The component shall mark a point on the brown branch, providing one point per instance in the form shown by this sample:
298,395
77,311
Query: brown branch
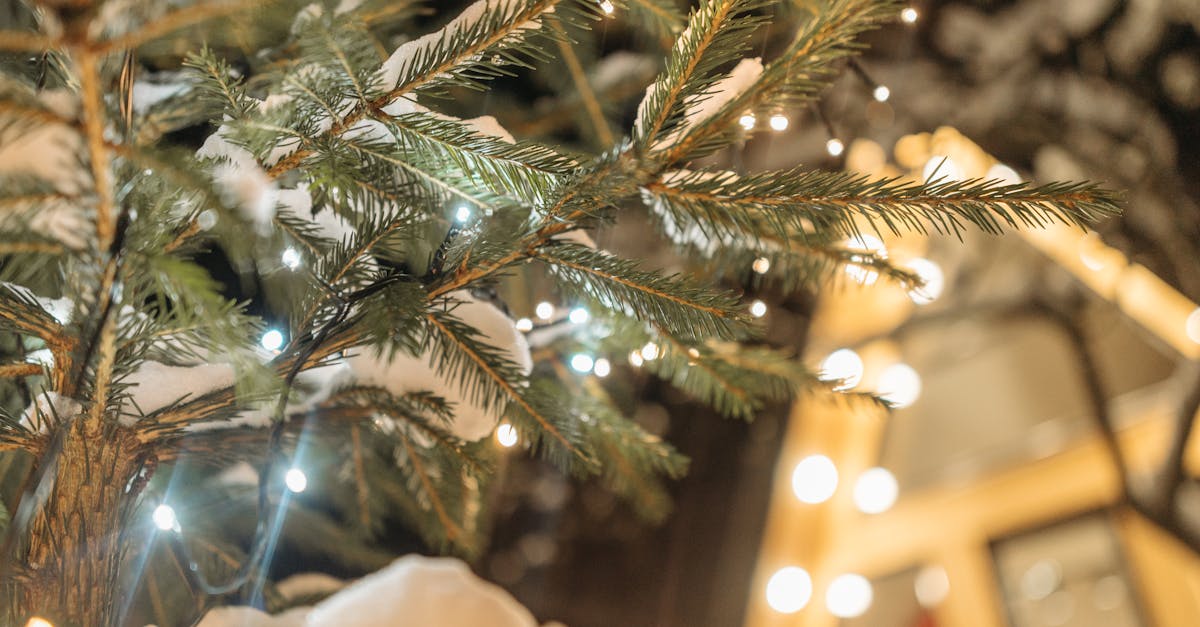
590,104
94,122
20,370
25,41
169,23
1173,468
452,529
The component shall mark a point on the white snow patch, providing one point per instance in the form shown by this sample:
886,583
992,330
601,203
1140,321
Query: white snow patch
425,591
577,236
239,474
146,94
412,591
155,385
46,407
243,182
406,373
308,584
399,63
703,106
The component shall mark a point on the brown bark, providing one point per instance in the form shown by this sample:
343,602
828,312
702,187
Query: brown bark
69,565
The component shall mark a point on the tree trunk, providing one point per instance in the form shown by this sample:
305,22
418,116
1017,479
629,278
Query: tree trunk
72,548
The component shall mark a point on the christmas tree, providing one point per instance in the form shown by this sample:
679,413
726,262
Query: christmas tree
157,158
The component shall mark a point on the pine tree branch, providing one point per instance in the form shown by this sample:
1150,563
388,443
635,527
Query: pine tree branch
170,22
453,531
25,41
340,125
94,122
801,72
582,86
361,488
20,370
505,385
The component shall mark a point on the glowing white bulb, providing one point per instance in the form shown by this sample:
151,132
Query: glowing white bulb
835,147
1002,173
607,7
932,586
582,363
579,315
748,121
899,385
506,435
296,480
909,15
842,365
779,122
815,479
164,517
524,325
290,258
941,169
272,340
761,265
875,491
1193,326
544,310
867,243
882,93
38,621
931,275
635,359
789,590
864,275
462,214
758,309
602,368
848,596
650,351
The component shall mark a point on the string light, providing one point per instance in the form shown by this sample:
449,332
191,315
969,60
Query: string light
524,325
779,122
602,368
867,244
748,121
881,93
931,586
1192,327
544,310
290,258
815,479
164,517
758,309
272,340
875,491
909,15
932,278
842,365
506,435
789,590
899,385
462,214
761,265
582,363
941,169
650,351
635,359
579,315
835,147
38,621
849,596
295,480
607,7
